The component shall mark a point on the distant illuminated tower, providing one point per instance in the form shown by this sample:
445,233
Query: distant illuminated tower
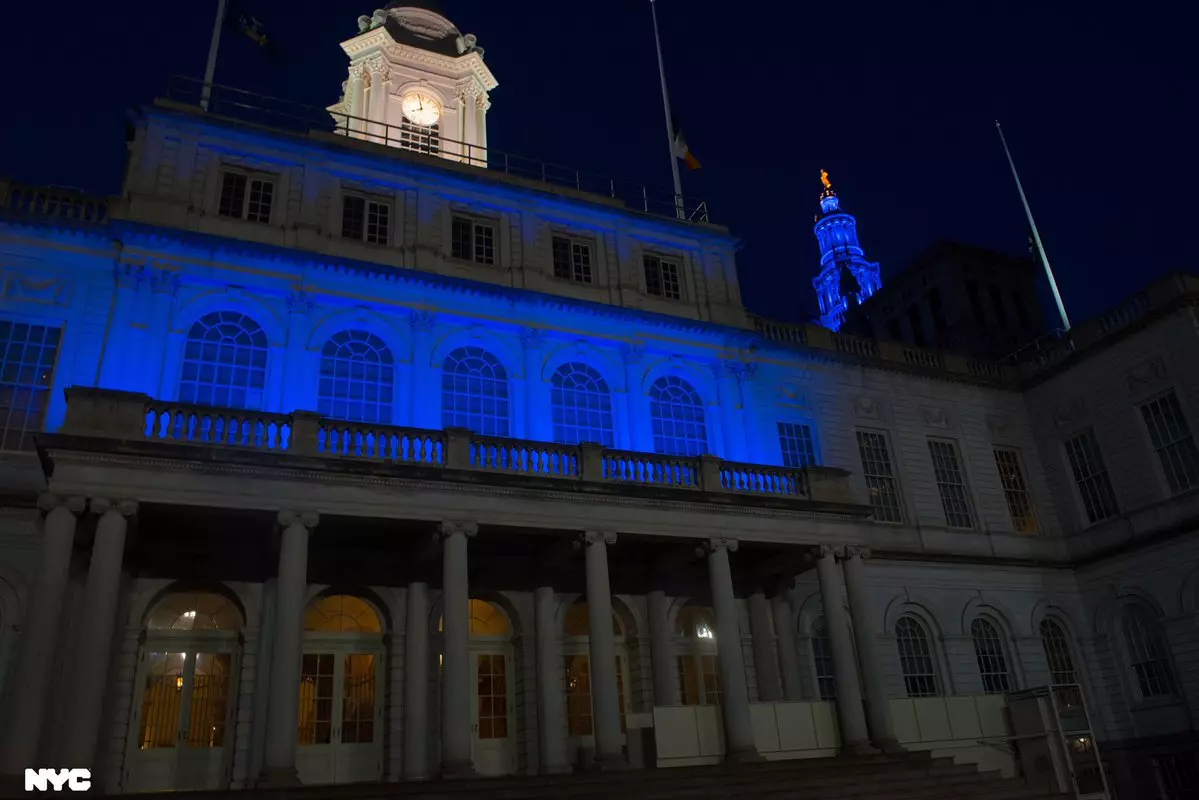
846,277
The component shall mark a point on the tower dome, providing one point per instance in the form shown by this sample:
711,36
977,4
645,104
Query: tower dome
846,278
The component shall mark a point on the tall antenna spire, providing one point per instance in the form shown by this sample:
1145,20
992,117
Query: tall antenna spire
1036,236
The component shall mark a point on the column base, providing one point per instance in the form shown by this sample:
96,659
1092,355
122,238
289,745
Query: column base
277,778
854,749
609,763
458,770
743,755
890,747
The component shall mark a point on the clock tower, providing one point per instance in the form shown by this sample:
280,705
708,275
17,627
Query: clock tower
846,278
416,82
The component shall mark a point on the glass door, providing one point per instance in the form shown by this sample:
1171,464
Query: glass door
339,719
491,711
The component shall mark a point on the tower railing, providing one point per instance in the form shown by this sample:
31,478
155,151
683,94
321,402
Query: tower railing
287,115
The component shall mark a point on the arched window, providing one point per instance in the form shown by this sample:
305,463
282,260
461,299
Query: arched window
916,658
1147,655
224,362
677,416
581,405
1057,653
576,649
822,659
341,613
194,611
357,380
474,392
699,665
988,651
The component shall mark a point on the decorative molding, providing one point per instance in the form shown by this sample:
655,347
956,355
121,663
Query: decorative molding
377,65
867,407
21,287
532,338
632,353
935,417
309,519
299,302
129,276
421,321
1146,374
1069,412
855,551
102,505
597,537
357,72
721,543
743,371
48,501
787,394
449,528
165,281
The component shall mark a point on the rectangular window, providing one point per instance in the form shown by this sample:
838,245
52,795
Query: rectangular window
938,310
662,278
917,324
472,240
976,301
699,680
419,138
247,197
28,355
1015,490
951,481
1172,441
572,259
366,220
795,440
1090,475
880,477
1000,308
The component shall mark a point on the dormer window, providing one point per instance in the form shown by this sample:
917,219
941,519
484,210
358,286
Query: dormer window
572,259
245,196
662,277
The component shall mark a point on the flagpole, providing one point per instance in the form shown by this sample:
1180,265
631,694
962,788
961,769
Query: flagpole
1036,236
674,161
213,46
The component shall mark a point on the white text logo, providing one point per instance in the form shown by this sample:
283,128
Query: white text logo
40,780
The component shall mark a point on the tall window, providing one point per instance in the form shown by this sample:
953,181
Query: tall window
951,482
1057,653
572,259
28,354
795,440
472,240
224,362
677,416
1090,475
357,380
988,651
662,278
576,643
916,658
1172,441
699,667
581,406
1147,654
1015,490
822,660
247,197
880,477
474,392
366,220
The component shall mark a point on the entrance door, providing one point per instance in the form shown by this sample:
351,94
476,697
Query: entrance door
340,718
491,712
183,721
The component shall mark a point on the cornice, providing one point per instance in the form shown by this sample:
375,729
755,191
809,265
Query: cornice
379,40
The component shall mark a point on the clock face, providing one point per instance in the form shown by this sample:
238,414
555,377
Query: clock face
421,109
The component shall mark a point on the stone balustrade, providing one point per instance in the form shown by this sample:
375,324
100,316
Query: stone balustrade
133,417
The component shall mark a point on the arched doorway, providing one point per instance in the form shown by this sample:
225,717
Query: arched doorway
340,737
181,736
493,728
696,654
576,649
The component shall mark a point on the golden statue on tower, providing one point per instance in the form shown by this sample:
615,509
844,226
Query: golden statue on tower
828,185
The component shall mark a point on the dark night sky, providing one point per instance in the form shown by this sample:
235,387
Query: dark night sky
894,99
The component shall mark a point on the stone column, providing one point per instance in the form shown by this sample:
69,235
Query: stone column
455,688
425,390
784,628
416,681
765,663
666,688
279,761
101,597
357,95
377,102
605,701
39,634
878,704
854,738
551,710
739,734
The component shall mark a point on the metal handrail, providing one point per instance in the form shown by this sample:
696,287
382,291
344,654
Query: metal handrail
279,113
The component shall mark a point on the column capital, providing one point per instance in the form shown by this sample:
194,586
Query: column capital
421,321
299,302
854,551
163,280
449,528
826,551
720,543
597,537
102,505
48,501
309,519
532,338
128,276
632,353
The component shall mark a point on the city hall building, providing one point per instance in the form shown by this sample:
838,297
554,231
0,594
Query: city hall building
344,448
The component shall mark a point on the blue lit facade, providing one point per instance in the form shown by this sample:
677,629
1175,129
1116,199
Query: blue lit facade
841,256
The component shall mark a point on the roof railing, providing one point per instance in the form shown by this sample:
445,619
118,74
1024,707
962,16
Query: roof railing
277,113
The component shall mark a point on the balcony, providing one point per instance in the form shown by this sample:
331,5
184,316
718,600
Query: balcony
131,421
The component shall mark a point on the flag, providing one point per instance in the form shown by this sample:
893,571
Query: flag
252,28
681,150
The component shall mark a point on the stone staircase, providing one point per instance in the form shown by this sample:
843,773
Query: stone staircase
905,777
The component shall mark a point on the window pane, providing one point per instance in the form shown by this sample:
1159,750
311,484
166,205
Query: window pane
988,651
224,362
1147,655
353,211
955,497
1015,491
378,223
1172,441
795,441
561,254
677,418
474,392
880,478
233,195
915,657
653,275
581,406
1090,475
484,243
822,657
1057,653
28,356
357,380
258,207
460,238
